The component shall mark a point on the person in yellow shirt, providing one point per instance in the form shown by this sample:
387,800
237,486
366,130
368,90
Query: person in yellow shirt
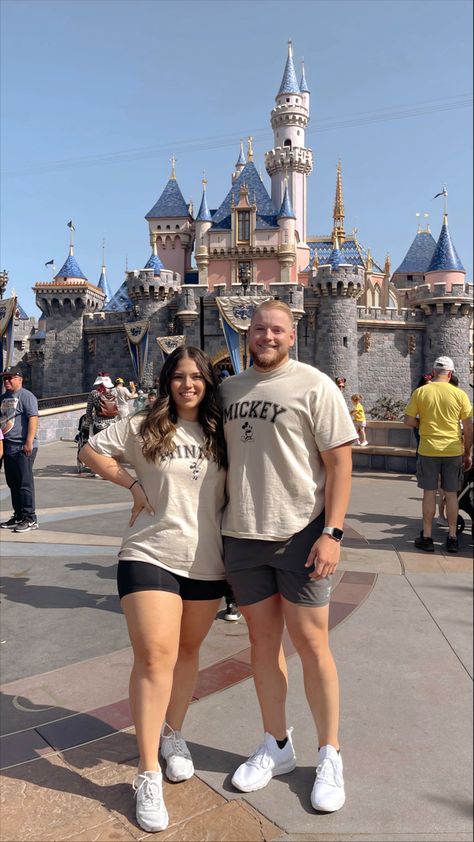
358,417
442,453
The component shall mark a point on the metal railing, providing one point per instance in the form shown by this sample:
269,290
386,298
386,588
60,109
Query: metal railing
62,400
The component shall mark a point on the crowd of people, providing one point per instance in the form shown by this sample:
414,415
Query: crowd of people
239,487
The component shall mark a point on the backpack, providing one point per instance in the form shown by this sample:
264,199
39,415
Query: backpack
107,405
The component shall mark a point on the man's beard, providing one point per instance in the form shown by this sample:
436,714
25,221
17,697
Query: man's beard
268,363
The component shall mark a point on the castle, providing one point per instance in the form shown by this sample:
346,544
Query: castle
381,330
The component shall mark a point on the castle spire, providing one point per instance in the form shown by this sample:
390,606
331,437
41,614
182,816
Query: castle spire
338,214
445,257
103,283
289,83
241,158
204,214
173,174
303,83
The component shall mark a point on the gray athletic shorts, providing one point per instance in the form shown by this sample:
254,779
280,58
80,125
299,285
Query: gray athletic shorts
431,471
257,569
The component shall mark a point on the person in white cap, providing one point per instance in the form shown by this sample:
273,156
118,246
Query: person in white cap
102,406
445,449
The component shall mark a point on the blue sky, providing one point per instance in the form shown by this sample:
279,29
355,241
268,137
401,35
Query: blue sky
97,95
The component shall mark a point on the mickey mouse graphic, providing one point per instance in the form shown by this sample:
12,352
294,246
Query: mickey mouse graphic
248,432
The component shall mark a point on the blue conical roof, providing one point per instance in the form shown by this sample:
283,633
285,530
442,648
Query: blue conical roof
445,255
418,256
204,214
154,263
103,284
286,210
241,158
120,301
70,269
170,204
289,83
303,83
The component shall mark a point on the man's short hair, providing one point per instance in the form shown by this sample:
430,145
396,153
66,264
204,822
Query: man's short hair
443,364
275,304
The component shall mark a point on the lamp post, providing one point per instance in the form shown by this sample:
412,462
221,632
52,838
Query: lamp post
244,278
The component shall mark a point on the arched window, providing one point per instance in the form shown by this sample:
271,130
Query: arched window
287,143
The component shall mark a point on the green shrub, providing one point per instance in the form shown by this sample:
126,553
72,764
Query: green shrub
387,409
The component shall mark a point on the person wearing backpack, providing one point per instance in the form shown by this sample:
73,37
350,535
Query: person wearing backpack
102,406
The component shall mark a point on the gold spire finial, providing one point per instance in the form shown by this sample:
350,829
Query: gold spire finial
388,265
290,49
369,261
204,180
173,162
249,149
338,213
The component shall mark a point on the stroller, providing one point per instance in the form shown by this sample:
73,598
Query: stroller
466,501
81,438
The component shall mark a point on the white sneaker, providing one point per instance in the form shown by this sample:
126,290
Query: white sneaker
179,765
328,793
264,764
364,443
151,812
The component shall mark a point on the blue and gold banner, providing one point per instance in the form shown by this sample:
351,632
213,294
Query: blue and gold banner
236,313
137,338
168,344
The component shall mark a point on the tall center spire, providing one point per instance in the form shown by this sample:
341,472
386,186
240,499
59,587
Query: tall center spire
338,214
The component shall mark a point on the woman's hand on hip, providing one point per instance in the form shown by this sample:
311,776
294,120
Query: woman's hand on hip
141,503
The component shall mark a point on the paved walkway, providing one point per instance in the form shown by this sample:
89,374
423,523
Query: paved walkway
401,634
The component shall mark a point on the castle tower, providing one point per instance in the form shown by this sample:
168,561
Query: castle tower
416,262
289,157
63,303
337,285
338,213
286,248
202,225
447,306
171,226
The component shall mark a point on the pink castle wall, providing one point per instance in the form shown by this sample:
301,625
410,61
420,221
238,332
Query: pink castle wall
268,271
177,259
219,273
445,277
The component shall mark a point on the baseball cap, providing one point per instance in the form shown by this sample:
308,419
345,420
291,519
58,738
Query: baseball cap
443,364
12,371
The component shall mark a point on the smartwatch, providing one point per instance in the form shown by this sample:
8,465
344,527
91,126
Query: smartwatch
334,532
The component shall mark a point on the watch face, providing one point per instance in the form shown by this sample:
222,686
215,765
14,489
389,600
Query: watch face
337,533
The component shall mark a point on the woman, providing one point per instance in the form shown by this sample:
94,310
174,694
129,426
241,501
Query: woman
170,572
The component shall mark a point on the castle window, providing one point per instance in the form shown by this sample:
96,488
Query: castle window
158,227
287,143
243,223
288,99
344,341
409,277
177,227
167,227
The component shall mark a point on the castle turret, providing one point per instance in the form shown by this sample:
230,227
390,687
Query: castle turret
337,286
416,262
171,227
446,302
103,283
64,302
289,156
240,163
202,226
286,248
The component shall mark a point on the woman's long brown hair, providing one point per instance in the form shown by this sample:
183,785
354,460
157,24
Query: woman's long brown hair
159,425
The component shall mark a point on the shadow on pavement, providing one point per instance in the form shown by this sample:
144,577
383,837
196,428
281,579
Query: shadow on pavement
17,589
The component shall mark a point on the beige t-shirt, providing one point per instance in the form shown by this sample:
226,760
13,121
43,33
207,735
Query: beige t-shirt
187,493
276,424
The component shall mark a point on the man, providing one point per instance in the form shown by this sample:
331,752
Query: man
19,423
444,448
124,395
289,435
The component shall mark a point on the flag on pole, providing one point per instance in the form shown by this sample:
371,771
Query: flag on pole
50,262
444,192
70,225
